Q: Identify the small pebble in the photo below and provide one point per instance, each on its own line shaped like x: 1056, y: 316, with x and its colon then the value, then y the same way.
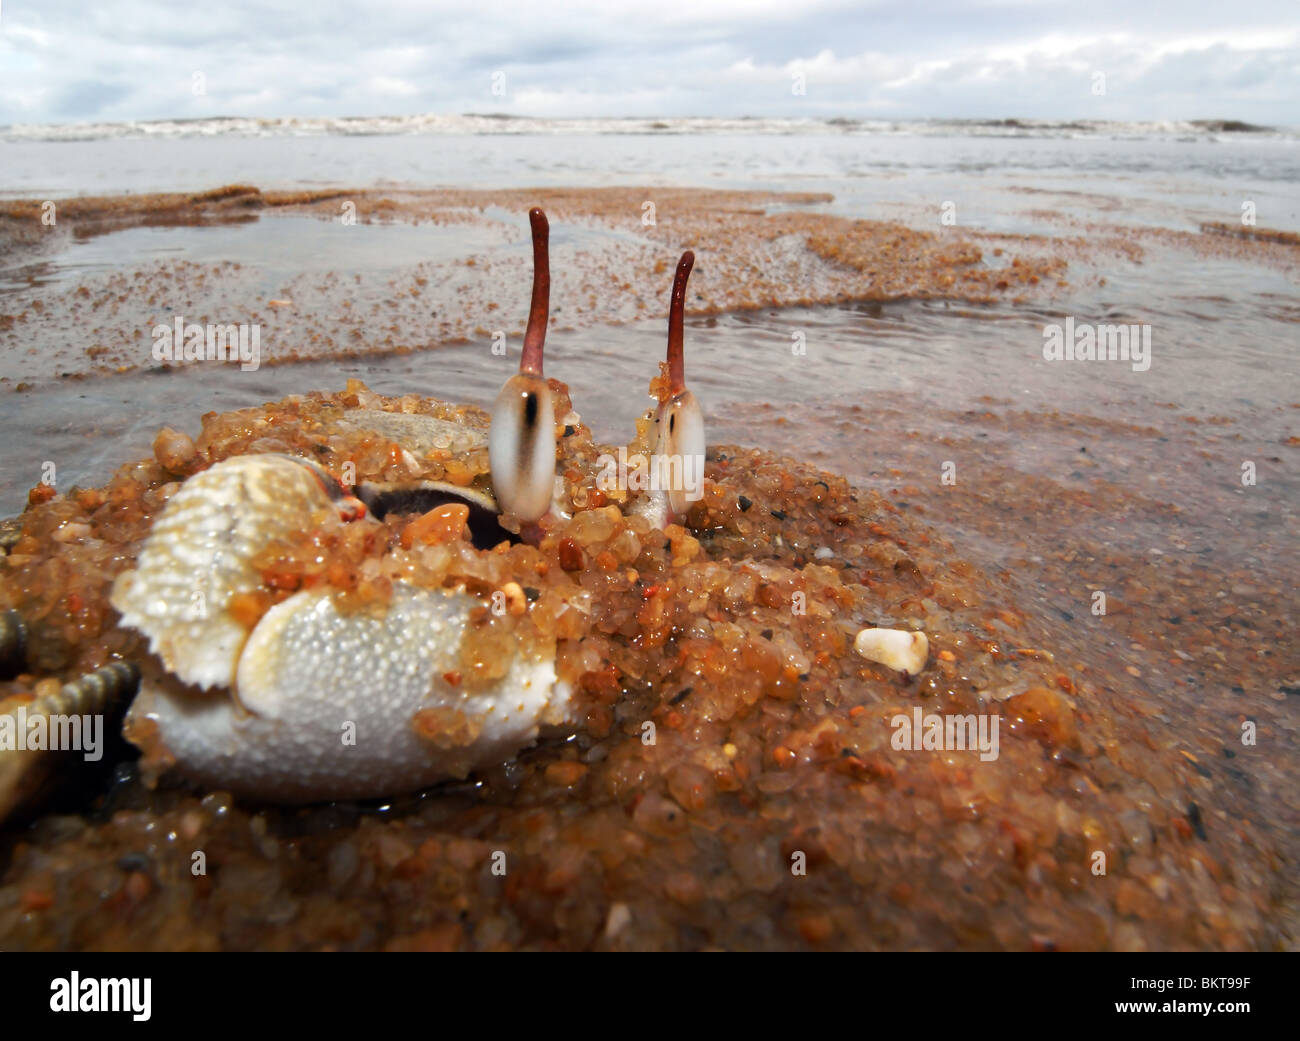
x: 617, y: 920
x: 894, y: 648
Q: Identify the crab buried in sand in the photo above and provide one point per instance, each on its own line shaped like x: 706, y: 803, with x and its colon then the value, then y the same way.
x: 466, y: 593
x: 323, y: 695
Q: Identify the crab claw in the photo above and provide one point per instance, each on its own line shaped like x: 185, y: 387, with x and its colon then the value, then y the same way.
x: 679, y: 419
x: 521, y: 441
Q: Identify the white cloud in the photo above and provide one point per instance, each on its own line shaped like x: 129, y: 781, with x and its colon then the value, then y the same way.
x: 61, y: 61
x: 392, y: 87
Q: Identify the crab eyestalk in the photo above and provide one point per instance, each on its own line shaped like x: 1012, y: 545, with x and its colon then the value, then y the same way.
x: 521, y: 441
x: 679, y: 418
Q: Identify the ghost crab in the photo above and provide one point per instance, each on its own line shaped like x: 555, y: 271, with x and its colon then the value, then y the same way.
x: 452, y: 665
x: 301, y: 640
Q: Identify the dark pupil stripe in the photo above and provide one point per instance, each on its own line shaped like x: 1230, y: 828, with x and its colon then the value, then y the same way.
x: 672, y: 422
x: 528, y: 434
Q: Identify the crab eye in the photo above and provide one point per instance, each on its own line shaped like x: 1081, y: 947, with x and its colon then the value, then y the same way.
x: 521, y: 441
x: 680, y: 418
x: 521, y: 447
x: 681, y: 439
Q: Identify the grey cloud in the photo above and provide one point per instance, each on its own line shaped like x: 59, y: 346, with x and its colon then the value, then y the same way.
x: 88, y: 98
x: 132, y: 59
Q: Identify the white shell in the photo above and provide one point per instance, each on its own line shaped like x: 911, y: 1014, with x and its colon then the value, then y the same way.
x: 330, y: 700
x: 198, y: 555
x: 894, y: 648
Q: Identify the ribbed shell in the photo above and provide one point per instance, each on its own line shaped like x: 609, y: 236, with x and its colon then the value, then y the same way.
x: 199, y: 555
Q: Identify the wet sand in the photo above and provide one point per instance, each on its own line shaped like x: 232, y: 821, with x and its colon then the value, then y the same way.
x: 419, y: 270
x: 753, y: 249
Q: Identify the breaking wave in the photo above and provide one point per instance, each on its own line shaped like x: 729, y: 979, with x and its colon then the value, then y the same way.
x: 506, y: 124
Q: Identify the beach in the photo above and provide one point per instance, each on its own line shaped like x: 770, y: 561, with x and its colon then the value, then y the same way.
x: 923, y: 309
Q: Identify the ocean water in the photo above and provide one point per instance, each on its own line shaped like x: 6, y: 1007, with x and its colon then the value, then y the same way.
x: 1150, y: 172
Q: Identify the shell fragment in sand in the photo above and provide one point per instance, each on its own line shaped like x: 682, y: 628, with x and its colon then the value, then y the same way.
x: 896, y: 648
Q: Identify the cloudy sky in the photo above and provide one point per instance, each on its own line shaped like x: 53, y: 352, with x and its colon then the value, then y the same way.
x: 99, y: 60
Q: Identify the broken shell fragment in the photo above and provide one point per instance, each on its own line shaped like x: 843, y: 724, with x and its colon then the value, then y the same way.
x: 896, y: 649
